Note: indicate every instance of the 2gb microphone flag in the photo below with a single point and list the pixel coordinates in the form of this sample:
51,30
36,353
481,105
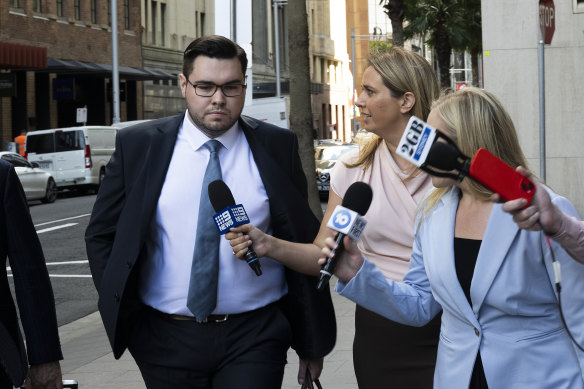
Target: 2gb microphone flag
229,217
416,141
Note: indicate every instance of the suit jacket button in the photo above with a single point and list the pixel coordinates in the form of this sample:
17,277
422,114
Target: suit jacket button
476,331
117,297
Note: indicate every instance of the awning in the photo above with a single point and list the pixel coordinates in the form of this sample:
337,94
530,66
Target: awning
13,55
59,66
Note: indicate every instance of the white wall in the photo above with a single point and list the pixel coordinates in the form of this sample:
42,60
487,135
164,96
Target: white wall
510,32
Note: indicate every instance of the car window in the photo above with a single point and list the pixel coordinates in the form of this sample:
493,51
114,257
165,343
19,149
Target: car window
69,140
16,160
332,153
40,144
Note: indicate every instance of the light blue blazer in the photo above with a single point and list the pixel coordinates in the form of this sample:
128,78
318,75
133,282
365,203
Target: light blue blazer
514,320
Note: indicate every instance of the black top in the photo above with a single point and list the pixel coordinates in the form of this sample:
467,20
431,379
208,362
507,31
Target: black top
466,252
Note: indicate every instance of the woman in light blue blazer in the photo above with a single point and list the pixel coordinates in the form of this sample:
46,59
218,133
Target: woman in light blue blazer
501,325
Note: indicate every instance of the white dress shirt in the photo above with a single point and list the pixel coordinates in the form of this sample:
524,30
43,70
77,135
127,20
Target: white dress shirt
165,277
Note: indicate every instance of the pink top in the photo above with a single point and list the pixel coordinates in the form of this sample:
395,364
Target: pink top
388,237
571,237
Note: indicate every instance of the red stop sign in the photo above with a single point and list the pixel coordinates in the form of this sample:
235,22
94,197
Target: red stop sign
547,20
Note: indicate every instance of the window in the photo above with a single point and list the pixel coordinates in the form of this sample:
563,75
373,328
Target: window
37,6
109,13
77,9
578,6
16,160
153,23
60,8
69,140
127,14
40,144
93,12
202,23
14,3
162,22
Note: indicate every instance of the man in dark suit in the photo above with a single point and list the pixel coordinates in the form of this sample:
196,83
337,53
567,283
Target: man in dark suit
19,242
146,256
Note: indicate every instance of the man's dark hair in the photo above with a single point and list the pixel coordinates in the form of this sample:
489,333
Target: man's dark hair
213,46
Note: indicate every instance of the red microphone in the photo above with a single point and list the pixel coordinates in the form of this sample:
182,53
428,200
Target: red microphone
484,168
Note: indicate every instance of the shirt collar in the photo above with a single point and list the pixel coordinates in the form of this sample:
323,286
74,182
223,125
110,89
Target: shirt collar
197,138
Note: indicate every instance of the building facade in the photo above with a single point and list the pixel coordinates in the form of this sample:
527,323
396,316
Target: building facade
511,72
72,40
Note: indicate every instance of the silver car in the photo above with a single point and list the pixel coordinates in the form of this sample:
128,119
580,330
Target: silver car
37,183
326,155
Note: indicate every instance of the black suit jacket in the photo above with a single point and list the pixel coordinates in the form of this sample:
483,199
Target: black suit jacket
126,205
20,244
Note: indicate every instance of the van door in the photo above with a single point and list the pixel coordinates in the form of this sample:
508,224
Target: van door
70,156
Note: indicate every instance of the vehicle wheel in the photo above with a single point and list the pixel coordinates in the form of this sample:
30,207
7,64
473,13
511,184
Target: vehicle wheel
51,192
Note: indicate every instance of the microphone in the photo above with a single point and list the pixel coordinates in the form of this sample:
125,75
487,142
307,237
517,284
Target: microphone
230,215
484,167
346,220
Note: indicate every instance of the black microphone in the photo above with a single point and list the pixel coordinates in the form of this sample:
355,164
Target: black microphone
357,200
222,200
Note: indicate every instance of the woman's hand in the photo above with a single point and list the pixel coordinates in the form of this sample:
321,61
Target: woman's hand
349,259
242,237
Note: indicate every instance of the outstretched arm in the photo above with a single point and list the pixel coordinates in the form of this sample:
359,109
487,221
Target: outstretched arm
542,213
300,257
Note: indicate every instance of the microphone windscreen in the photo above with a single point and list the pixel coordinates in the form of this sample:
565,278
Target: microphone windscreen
220,195
443,156
358,197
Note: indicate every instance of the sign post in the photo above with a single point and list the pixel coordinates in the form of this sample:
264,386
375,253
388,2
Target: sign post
547,27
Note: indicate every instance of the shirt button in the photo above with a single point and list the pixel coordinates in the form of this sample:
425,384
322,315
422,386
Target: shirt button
476,332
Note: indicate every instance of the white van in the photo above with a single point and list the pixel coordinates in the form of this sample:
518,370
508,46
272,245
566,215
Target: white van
75,156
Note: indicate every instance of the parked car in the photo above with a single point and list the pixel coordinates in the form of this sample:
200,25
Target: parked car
74,156
326,155
37,183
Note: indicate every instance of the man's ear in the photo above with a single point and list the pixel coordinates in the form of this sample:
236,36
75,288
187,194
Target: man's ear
408,101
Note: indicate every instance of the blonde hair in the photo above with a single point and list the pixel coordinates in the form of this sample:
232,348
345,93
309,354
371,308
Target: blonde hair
401,71
474,119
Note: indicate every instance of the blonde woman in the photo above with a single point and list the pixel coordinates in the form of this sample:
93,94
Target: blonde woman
501,325
396,85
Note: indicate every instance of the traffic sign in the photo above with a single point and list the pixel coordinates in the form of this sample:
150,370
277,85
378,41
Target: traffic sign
547,20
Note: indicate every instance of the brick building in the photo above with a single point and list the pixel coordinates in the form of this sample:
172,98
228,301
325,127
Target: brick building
56,56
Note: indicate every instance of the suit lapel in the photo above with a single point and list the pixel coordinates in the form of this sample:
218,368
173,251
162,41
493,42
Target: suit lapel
157,158
499,236
442,229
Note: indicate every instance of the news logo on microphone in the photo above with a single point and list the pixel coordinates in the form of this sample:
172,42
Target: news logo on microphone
416,141
229,217
347,222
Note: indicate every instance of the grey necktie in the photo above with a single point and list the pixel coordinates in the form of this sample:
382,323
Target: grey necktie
202,295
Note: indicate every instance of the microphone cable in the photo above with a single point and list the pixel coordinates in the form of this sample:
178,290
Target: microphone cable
557,282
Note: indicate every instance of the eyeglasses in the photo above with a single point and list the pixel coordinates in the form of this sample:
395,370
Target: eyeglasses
208,90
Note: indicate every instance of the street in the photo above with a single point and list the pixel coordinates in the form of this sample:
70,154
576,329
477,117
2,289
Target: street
60,227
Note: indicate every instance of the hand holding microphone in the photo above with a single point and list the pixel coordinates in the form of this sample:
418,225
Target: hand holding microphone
347,220
230,215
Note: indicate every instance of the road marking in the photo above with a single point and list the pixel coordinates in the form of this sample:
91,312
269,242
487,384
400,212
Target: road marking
65,275
58,263
56,227
62,220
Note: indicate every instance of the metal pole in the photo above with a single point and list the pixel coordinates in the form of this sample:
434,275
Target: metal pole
115,70
277,48
541,78
232,22
353,70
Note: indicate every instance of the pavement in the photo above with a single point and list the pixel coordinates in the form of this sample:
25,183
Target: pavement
90,361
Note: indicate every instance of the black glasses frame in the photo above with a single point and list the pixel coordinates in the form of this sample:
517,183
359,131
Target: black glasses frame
198,92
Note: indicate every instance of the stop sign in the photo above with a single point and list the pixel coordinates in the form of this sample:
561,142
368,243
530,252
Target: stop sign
547,20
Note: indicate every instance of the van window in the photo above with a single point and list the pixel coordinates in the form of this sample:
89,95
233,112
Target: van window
69,140
40,144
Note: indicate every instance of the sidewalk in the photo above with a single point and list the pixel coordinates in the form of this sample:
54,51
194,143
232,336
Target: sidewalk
89,360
